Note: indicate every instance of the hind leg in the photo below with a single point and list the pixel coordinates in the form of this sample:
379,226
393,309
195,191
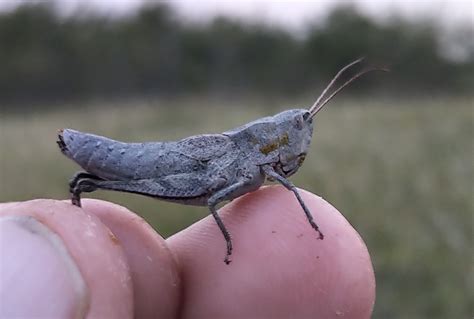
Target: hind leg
85,182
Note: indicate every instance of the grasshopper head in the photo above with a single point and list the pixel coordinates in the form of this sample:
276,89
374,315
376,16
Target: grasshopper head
295,127
295,130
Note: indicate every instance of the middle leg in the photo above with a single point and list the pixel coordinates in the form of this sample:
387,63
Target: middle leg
220,196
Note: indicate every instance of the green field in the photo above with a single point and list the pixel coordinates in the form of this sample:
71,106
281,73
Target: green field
402,174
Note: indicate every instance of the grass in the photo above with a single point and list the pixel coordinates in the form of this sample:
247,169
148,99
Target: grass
402,174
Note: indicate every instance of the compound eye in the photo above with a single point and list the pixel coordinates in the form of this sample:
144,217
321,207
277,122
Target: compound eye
306,117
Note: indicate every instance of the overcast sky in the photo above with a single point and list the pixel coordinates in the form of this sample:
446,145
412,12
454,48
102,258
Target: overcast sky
292,14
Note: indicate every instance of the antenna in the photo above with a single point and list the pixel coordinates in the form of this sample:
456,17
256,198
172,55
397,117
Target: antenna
318,105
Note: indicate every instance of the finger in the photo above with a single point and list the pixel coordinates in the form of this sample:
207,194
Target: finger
154,274
279,267
59,262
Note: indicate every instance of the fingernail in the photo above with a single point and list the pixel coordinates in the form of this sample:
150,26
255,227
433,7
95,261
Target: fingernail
38,276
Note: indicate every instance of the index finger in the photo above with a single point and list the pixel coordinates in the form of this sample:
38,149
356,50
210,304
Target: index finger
280,268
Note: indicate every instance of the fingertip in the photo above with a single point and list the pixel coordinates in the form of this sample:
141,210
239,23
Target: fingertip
276,251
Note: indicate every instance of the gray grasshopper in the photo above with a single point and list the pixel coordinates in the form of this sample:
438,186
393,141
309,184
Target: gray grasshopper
202,170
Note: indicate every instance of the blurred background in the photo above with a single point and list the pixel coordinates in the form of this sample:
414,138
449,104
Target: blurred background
394,152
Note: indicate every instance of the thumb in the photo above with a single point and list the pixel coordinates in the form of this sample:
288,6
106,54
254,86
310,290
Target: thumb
58,262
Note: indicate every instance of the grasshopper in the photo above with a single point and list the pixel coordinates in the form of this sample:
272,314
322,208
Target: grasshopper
202,170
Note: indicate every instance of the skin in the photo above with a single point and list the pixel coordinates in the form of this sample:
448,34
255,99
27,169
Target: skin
279,267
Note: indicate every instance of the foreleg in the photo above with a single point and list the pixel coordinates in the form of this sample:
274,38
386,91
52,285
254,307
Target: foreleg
270,172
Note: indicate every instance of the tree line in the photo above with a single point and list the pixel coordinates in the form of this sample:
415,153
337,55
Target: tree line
45,56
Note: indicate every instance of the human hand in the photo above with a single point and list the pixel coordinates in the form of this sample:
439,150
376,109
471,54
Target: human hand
102,261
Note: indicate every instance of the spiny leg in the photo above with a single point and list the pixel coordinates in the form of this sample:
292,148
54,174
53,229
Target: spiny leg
269,171
215,199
